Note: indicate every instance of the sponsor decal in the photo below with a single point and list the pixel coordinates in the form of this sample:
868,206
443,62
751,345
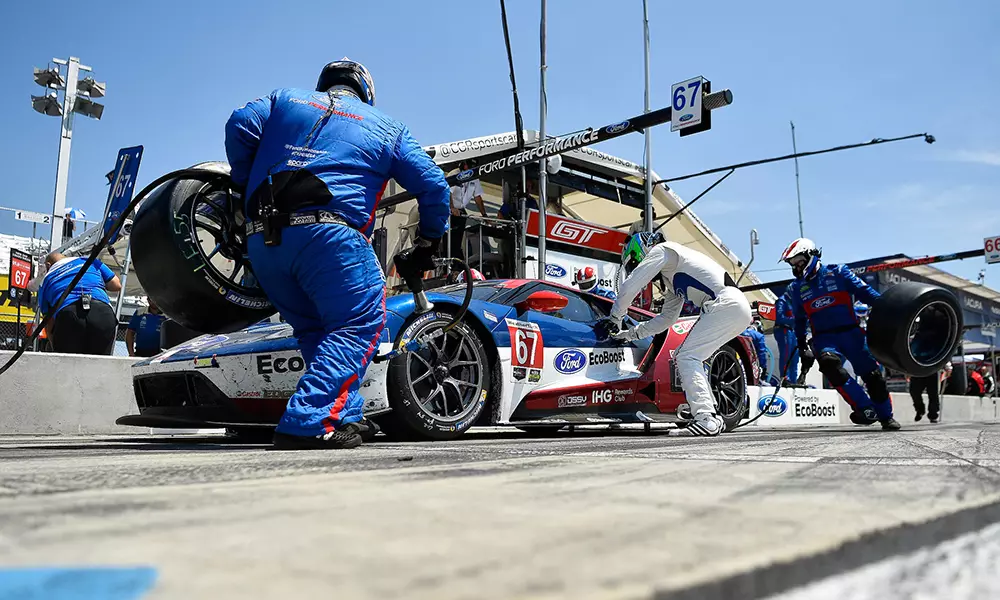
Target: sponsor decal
242,300
622,394
266,364
766,311
814,410
277,394
527,348
490,316
570,361
550,148
823,302
617,127
249,394
520,373
606,357
299,219
610,396
777,408
571,401
206,363
686,117
405,338
534,375
572,232
476,144
554,270
682,327
973,303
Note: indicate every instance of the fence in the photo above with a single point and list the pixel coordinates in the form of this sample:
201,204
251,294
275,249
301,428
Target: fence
9,337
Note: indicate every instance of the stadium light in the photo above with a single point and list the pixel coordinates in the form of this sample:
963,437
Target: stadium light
47,104
76,98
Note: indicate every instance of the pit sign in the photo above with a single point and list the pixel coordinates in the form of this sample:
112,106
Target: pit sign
122,185
32,217
992,247
21,271
685,103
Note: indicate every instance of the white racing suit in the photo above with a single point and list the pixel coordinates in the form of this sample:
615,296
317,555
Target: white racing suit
725,312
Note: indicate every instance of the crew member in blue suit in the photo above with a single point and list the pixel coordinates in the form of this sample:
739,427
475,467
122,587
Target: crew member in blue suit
314,165
763,354
824,296
784,337
84,323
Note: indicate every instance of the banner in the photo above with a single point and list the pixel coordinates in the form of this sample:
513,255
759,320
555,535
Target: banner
8,307
122,186
22,269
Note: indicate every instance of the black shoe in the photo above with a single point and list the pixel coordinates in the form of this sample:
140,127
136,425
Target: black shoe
335,440
365,428
891,424
934,419
860,418
920,415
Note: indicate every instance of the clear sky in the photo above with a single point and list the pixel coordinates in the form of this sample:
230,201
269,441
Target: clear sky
844,72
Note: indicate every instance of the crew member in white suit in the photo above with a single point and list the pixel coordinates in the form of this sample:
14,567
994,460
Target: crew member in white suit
692,276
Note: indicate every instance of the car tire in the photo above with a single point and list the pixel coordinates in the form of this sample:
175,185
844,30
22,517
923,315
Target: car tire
418,411
914,328
728,380
173,238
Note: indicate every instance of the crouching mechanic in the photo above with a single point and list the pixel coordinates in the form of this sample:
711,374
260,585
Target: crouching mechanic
586,280
314,165
824,295
687,275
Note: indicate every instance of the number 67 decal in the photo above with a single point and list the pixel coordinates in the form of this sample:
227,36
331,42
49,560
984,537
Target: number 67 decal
526,346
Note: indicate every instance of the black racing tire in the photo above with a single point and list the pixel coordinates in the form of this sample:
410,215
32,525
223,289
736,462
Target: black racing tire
189,249
728,380
915,328
419,410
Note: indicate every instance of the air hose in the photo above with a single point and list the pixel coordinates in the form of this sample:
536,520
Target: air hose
95,252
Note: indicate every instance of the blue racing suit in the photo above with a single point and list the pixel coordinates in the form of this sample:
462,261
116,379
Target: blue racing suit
332,151
827,302
604,292
784,337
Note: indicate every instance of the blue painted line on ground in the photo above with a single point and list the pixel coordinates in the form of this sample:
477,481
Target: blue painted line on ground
76,583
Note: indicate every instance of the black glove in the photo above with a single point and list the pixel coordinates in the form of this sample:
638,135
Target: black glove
806,353
412,262
605,328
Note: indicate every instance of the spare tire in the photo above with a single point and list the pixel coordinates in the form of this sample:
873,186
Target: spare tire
189,252
915,328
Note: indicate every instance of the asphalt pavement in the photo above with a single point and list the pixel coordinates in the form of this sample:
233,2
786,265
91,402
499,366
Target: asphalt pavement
497,514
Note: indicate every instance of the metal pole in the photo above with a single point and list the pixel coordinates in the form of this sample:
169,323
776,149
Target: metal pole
18,329
648,211
124,279
798,194
543,163
522,242
65,140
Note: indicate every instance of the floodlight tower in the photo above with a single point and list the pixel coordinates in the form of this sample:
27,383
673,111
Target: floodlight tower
77,98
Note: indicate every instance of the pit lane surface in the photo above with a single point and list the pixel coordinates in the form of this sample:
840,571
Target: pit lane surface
500,514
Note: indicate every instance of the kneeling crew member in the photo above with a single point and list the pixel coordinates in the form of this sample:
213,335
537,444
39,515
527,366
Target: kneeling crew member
314,165
84,323
824,295
687,275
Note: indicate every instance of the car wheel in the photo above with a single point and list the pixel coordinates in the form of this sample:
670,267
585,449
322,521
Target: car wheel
728,380
914,328
439,391
189,252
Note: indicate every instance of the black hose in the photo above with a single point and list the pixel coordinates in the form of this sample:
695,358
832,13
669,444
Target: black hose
194,173
464,308
766,407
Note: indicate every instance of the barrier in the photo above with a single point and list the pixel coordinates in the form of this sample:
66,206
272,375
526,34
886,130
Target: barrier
49,393
954,409
794,407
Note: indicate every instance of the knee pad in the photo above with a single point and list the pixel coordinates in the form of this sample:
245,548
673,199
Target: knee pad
831,366
877,390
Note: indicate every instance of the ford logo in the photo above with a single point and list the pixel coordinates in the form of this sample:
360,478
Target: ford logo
466,175
617,127
823,301
570,361
552,270
686,117
776,408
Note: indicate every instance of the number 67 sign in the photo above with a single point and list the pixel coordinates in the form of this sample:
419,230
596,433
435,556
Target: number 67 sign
685,103
992,247
526,346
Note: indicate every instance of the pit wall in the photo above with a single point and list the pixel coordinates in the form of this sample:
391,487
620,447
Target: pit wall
49,393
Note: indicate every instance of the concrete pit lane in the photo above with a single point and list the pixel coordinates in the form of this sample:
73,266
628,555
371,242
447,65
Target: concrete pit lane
502,514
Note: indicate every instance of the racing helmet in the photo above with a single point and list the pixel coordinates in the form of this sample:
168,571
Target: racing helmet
636,248
585,279
803,256
352,74
476,276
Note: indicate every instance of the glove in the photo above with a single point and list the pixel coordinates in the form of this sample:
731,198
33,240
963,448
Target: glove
607,328
806,353
627,335
412,262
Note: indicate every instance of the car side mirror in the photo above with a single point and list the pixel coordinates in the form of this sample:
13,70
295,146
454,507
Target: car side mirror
543,301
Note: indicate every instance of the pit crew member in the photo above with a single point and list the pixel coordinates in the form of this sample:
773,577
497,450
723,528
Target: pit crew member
784,337
760,347
314,165
85,322
687,275
586,280
823,296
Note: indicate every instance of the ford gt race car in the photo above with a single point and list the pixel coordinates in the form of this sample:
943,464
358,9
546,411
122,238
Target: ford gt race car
525,354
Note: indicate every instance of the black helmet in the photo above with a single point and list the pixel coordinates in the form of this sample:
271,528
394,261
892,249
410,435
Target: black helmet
352,74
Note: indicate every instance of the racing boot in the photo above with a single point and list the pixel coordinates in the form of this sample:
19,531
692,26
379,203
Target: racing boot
704,425
339,439
365,428
865,417
890,424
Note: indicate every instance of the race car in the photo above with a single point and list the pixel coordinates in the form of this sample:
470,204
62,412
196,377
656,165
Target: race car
525,354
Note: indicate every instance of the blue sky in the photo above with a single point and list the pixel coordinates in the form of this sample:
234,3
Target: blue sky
845,72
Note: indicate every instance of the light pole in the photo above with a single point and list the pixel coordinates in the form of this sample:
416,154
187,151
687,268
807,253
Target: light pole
77,96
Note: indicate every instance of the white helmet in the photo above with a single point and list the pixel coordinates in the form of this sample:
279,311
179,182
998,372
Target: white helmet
586,278
476,276
803,255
